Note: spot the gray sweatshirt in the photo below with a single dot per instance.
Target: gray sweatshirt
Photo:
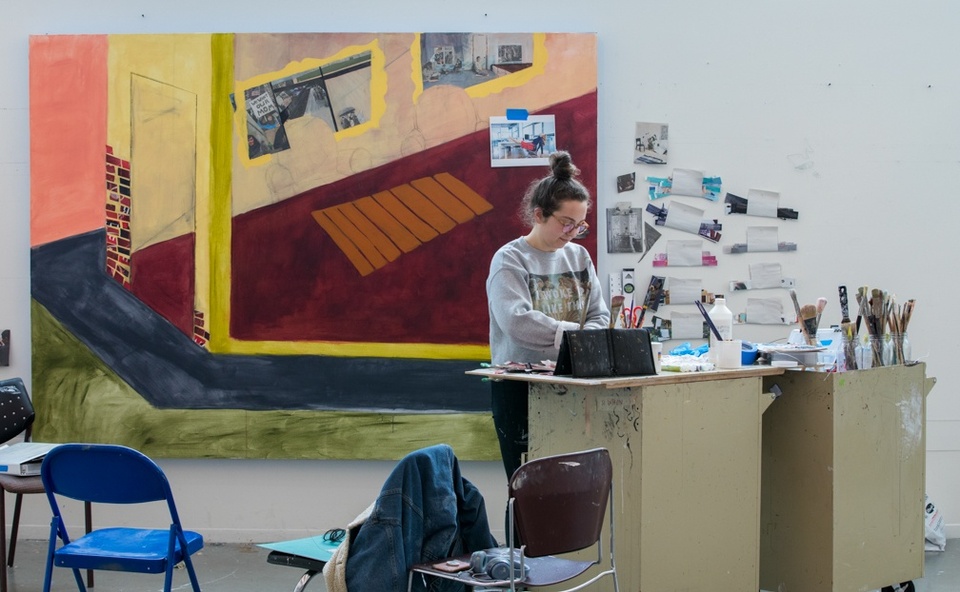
(534, 296)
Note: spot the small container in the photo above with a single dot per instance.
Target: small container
(748, 355)
(657, 348)
(901, 348)
(864, 355)
(722, 318)
(728, 353)
(796, 338)
(848, 353)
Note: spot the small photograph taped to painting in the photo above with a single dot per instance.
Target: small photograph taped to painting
(522, 142)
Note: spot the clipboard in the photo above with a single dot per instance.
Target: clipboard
(596, 353)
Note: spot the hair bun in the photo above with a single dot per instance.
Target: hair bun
(562, 165)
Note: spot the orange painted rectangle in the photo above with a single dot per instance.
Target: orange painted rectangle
(360, 241)
(370, 231)
(443, 199)
(464, 193)
(348, 248)
(424, 208)
(388, 224)
(418, 227)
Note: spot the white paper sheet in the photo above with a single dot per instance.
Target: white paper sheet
(764, 311)
(765, 275)
(686, 325)
(762, 238)
(684, 290)
(685, 253)
(762, 203)
(684, 217)
(686, 182)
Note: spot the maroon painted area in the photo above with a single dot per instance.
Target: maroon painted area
(290, 282)
(162, 277)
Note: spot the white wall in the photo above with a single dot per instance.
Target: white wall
(864, 92)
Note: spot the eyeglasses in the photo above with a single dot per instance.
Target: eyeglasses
(581, 228)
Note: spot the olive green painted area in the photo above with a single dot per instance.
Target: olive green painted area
(79, 399)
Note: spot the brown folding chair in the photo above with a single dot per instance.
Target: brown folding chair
(557, 506)
(16, 417)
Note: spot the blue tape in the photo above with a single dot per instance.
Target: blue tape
(514, 114)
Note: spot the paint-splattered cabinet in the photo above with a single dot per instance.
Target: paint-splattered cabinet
(843, 480)
(686, 454)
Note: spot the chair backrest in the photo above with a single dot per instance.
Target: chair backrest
(559, 501)
(104, 473)
(16, 410)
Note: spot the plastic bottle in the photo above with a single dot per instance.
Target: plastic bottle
(722, 318)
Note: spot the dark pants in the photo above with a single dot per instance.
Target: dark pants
(509, 405)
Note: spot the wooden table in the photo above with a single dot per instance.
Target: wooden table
(686, 449)
(844, 465)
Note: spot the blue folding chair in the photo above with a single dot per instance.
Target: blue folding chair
(109, 474)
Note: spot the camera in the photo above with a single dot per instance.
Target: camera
(496, 564)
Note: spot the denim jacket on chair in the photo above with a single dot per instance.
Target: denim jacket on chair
(425, 511)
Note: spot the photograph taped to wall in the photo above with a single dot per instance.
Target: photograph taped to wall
(626, 182)
(522, 142)
(650, 146)
(624, 230)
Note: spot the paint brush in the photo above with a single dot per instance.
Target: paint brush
(821, 304)
(710, 324)
(906, 313)
(862, 292)
(584, 303)
(796, 305)
(615, 303)
(847, 332)
(808, 320)
(844, 305)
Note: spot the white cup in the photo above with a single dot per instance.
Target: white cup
(728, 353)
(657, 348)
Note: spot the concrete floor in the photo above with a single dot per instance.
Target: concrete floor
(244, 568)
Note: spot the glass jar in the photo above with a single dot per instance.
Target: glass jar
(864, 354)
(902, 347)
(889, 351)
(848, 352)
(876, 350)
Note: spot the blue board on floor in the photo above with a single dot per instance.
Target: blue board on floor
(315, 547)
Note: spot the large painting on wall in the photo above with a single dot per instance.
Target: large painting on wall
(275, 245)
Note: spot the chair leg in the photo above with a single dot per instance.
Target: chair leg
(88, 524)
(14, 528)
(304, 580)
(3, 540)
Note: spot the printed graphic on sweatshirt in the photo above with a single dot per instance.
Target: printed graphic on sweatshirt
(562, 295)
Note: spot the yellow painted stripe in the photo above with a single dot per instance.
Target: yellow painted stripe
(216, 216)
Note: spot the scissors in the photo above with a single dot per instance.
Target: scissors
(634, 316)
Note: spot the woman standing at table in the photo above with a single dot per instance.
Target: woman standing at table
(539, 286)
